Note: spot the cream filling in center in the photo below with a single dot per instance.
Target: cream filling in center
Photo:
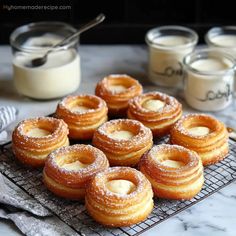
(210, 64)
(121, 186)
(199, 131)
(172, 163)
(153, 105)
(79, 108)
(37, 132)
(117, 88)
(77, 165)
(121, 134)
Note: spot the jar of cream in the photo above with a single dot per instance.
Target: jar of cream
(209, 79)
(167, 47)
(222, 38)
(60, 75)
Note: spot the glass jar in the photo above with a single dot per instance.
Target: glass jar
(60, 75)
(167, 47)
(222, 38)
(209, 79)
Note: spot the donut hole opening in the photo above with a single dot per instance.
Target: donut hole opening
(82, 105)
(74, 161)
(153, 104)
(198, 128)
(121, 135)
(121, 186)
(174, 161)
(39, 130)
(118, 84)
(122, 131)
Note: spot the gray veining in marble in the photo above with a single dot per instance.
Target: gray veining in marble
(214, 216)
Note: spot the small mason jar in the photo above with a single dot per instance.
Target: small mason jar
(167, 47)
(60, 75)
(209, 79)
(222, 38)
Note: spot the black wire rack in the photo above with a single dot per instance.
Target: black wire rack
(74, 214)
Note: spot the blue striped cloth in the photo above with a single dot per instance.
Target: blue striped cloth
(7, 115)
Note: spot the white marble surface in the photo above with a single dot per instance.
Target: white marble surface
(215, 215)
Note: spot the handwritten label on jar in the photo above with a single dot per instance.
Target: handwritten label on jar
(167, 47)
(225, 93)
(172, 72)
(209, 87)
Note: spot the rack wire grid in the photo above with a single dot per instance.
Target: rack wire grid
(74, 213)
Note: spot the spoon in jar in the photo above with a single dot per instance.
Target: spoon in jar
(39, 61)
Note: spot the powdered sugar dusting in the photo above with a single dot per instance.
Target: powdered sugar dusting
(119, 77)
(133, 87)
(95, 103)
(77, 151)
(58, 131)
(170, 102)
(158, 151)
(181, 127)
(124, 173)
(140, 132)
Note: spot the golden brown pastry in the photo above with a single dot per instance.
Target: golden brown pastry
(203, 134)
(155, 110)
(123, 141)
(33, 139)
(83, 115)
(175, 172)
(68, 170)
(117, 90)
(119, 196)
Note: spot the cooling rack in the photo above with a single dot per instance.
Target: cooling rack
(74, 214)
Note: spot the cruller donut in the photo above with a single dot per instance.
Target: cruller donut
(155, 110)
(117, 90)
(204, 134)
(33, 139)
(68, 170)
(119, 196)
(123, 141)
(175, 172)
(83, 115)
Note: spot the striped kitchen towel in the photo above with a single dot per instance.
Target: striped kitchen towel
(7, 115)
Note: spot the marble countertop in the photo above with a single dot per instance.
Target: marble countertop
(215, 215)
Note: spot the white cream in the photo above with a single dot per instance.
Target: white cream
(225, 40)
(121, 186)
(172, 163)
(79, 108)
(121, 134)
(210, 64)
(165, 59)
(209, 88)
(47, 40)
(153, 105)
(117, 88)
(37, 132)
(199, 131)
(74, 166)
(59, 76)
(170, 40)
